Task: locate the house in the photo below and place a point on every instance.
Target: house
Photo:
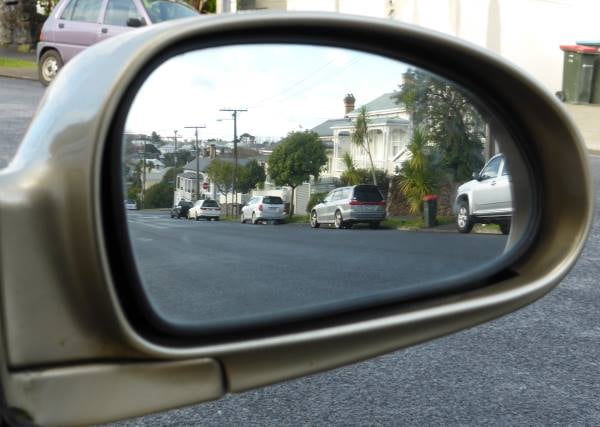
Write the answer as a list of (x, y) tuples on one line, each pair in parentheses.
[(247, 139), (186, 181), (389, 133)]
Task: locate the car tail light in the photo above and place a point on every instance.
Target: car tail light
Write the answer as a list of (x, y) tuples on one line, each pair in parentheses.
[(260, 207), (382, 203), (355, 202)]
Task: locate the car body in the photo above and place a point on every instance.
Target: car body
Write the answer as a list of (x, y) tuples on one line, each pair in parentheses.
[(487, 198), (205, 208), (74, 25), (181, 209), (343, 207), (263, 208), (130, 205)]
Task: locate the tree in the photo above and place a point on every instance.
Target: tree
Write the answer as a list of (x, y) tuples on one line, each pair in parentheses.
[(352, 175), (299, 156), (250, 176), (183, 158), (418, 176), (161, 195), (156, 139), (18, 23), (360, 137), (451, 121), (221, 174)]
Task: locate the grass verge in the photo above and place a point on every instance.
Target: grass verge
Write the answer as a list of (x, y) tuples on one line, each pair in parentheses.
[(16, 63)]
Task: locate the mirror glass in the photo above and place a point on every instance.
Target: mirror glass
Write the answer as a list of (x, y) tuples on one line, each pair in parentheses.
[(282, 181)]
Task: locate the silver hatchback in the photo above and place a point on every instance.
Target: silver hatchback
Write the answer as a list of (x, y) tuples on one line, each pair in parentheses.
[(346, 206)]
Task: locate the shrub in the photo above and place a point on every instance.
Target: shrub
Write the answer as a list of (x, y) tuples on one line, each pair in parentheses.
[(314, 200)]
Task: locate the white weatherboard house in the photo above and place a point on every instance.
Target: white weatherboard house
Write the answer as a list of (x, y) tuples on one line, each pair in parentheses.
[(389, 133)]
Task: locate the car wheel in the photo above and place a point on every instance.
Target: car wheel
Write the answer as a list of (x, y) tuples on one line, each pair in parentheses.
[(374, 225), (464, 223), (242, 220), (253, 218), (313, 220), (338, 221), (172, 216), (49, 65), (504, 227), (196, 217)]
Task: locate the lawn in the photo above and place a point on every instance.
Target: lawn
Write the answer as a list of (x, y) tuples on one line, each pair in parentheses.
[(16, 63)]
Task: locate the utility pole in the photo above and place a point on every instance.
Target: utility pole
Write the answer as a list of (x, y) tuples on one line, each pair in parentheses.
[(234, 113), (144, 138), (197, 159), (174, 138)]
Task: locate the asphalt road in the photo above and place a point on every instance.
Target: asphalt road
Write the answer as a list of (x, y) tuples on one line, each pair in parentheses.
[(18, 101), (202, 271), (539, 366)]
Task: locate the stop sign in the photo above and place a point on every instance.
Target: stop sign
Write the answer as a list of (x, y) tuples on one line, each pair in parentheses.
[(205, 185)]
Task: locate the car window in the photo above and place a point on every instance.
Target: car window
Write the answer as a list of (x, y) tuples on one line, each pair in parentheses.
[(367, 194), (86, 10), (491, 169), (336, 196), (162, 10), (68, 10), (118, 12), (210, 204), (505, 170), (185, 204), (272, 200)]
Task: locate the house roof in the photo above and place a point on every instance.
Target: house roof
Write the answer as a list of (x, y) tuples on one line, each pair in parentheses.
[(324, 129), (382, 103)]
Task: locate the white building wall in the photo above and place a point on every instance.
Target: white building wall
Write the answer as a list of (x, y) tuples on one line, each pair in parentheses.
[(526, 32)]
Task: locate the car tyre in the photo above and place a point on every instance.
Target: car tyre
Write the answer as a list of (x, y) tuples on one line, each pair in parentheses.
[(338, 220), (504, 227), (464, 222), (242, 220), (196, 217), (49, 65), (253, 218), (313, 220)]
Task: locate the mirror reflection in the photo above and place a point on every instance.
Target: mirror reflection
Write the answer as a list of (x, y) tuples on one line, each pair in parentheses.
[(276, 180)]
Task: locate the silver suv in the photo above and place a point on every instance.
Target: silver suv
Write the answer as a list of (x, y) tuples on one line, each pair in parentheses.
[(346, 206), (487, 198)]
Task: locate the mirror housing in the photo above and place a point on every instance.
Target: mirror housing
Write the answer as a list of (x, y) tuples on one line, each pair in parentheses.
[(135, 22), (476, 176)]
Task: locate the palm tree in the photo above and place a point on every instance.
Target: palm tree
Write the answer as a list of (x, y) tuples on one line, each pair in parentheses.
[(360, 137), (418, 176)]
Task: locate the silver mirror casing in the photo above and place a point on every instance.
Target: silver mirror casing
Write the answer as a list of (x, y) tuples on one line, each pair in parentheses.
[(68, 341)]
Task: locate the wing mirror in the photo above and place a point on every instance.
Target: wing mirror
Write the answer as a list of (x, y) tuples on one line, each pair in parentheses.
[(132, 304), (135, 22)]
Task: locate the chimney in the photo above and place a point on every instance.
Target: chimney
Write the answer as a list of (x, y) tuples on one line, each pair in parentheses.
[(348, 104), (213, 151)]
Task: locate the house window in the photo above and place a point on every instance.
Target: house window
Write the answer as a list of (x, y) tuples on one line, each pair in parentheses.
[(397, 141)]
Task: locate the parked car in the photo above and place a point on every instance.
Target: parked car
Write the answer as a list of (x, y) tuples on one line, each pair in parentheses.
[(74, 25), (346, 206), (486, 199), (207, 209), (130, 205), (181, 209), (263, 208)]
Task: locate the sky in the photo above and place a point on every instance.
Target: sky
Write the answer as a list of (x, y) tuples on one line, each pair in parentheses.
[(283, 87)]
